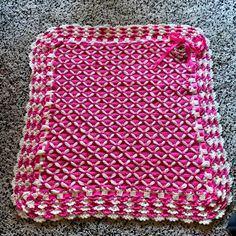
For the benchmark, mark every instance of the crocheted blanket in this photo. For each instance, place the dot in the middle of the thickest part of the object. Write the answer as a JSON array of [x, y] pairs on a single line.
[[122, 122]]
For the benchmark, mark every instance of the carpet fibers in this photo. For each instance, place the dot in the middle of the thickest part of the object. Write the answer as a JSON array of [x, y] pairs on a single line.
[[22, 20]]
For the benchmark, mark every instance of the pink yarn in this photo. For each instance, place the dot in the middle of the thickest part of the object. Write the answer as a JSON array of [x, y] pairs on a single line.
[[120, 123], [177, 39]]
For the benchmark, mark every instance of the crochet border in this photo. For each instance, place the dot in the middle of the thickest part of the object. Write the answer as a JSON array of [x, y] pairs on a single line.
[[45, 127]]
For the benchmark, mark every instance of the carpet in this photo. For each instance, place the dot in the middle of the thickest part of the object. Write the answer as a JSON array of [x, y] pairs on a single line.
[[23, 20]]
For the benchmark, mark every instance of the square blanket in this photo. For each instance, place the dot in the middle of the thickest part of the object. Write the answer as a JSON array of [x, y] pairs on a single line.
[[122, 122]]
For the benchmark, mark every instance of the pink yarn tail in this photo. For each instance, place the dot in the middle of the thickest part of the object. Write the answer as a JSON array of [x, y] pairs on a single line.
[[189, 47]]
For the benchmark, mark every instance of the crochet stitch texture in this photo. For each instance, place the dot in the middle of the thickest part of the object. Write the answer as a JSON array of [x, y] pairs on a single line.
[[122, 122]]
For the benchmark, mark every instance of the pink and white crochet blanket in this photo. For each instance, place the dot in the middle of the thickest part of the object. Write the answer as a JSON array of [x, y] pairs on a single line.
[[122, 122]]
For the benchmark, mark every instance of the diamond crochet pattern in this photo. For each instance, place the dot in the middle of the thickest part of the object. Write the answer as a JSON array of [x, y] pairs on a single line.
[[122, 122]]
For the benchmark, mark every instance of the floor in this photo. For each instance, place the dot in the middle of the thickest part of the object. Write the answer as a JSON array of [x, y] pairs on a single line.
[[23, 20]]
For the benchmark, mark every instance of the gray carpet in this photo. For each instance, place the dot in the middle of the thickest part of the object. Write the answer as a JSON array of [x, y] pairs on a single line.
[[22, 20]]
